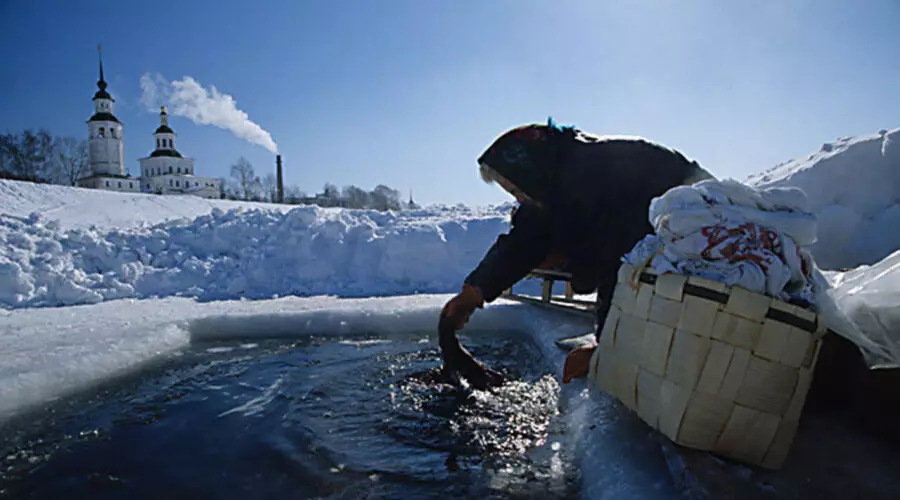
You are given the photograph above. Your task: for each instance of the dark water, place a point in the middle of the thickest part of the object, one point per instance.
(320, 417)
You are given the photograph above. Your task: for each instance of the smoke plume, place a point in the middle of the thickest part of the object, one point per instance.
(186, 97)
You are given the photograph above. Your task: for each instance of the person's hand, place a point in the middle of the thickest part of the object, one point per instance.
(459, 362)
(460, 308)
(476, 372)
(577, 363)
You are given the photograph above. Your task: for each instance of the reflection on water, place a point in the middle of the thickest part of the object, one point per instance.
(322, 417)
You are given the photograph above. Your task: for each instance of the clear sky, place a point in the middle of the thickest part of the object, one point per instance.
(410, 92)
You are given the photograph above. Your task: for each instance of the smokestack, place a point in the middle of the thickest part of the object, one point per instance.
(279, 179)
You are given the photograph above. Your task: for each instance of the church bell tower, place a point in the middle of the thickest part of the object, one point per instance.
(105, 146)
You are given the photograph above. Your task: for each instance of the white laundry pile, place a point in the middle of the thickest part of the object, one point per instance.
(735, 234)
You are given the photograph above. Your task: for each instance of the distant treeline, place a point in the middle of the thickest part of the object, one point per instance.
(41, 157)
(246, 185)
(38, 156)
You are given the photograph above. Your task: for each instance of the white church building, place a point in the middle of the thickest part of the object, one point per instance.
(106, 166)
(164, 171)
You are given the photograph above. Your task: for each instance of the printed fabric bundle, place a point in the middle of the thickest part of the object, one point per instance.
(735, 234)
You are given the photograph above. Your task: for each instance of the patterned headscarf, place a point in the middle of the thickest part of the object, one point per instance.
(528, 156)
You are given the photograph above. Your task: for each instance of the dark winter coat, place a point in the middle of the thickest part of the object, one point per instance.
(595, 192)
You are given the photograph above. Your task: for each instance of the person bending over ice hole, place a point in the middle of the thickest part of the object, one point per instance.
(583, 202)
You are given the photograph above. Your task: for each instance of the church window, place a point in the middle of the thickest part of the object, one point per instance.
(196, 184)
(112, 133)
(101, 132)
(120, 184)
(179, 170)
(130, 186)
(170, 182)
(177, 184)
(170, 169)
(107, 183)
(157, 144)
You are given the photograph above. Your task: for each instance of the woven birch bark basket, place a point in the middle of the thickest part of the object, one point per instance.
(714, 368)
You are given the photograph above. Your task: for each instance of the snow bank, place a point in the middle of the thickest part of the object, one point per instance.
(853, 185)
(250, 253)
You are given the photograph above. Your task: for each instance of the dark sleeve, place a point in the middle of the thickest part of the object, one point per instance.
(514, 254)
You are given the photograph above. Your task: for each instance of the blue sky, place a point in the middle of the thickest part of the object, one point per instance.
(408, 93)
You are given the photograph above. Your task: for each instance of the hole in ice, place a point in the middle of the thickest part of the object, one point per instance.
(311, 415)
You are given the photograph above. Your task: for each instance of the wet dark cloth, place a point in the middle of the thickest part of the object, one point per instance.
(596, 193)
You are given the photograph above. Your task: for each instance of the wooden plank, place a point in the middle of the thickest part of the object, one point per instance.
(574, 309)
(566, 302)
(547, 273)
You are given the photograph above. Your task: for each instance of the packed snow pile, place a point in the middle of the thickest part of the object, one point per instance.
(853, 185)
(252, 254)
(729, 232)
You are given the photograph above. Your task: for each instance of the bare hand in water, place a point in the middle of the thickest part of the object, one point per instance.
(458, 359)
(479, 375)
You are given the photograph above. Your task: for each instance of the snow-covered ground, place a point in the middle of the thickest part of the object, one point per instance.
(79, 208)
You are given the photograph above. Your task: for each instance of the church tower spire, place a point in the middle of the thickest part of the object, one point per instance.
(101, 83)
(106, 149)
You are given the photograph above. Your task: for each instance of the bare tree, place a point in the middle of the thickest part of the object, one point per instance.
(245, 177)
(293, 195)
(71, 160)
(331, 192)
(269, 188)
(329, 197)
(356, 197)
(27, 157)
(385, 198)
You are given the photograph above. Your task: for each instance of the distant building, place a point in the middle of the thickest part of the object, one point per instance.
(166, 171)
(106, 167)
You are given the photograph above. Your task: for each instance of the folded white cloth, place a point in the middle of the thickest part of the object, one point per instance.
(686, 208)
(735, 234)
